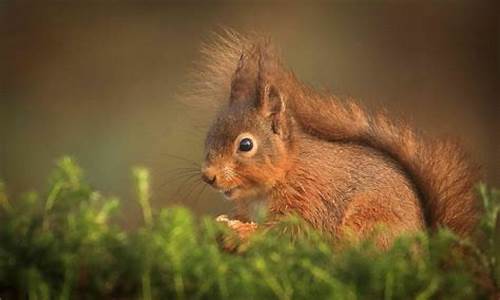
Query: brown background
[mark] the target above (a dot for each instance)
(98, 80)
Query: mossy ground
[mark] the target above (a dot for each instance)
(64, 244)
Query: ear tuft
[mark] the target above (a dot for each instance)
(256, 68)
(244, 80)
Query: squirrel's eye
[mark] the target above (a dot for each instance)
(246, 145)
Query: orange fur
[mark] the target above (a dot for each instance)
(333, 162)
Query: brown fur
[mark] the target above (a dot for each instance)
(343, 169)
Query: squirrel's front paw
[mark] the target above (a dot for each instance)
(222, 219)
(243, 231)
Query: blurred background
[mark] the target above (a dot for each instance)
(100, 80)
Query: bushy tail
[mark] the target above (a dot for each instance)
(441, 171)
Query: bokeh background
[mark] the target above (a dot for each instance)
(100, 80)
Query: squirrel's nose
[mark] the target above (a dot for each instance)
(208, 175)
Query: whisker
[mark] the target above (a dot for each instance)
(183, 184)
(177, 177)
(194, 186)
(181, 158)
(179, 171)
(193, 191)
(200, 193)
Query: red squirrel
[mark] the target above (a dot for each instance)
(343, 169)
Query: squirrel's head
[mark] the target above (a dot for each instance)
(248, 146)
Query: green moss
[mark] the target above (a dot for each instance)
(63, 244)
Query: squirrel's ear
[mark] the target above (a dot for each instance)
(272, 105)
(244, 80)
(270, 100)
